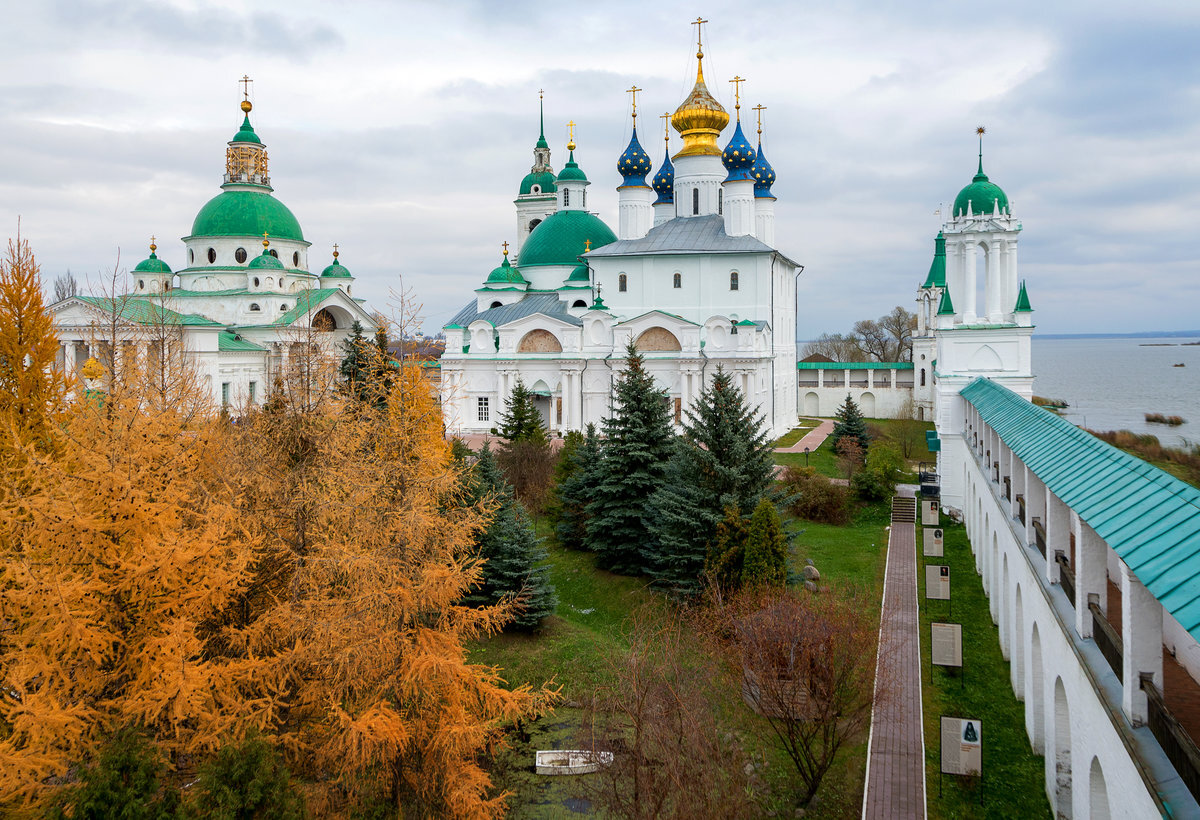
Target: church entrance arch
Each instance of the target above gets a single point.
(541, 400)
(539, 341)
(657, 338)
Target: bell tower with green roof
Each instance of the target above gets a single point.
(538, 195)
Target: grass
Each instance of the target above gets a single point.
(1013, 780)
(796, 433)
(852, 556)
(824, 459)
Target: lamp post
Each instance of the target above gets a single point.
(805, 456)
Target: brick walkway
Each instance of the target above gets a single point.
(812, 439)
(896, 755)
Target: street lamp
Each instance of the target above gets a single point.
(805, 456)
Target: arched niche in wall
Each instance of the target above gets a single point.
(539, 341)
(657, 338)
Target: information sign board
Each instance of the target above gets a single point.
(929, 512)
(946, 644)
(962, 746)
(931, 542)
(937, 582)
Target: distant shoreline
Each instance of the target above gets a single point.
(1154, 334)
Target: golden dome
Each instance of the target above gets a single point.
(699, 118)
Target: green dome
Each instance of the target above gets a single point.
(152, 265)
(544, 179)
(561, 239)
(246, 213)
(336, 270)
(981, 194)
(572, 172)
(265, 260)
(246, 133)
(580, 275)
(505, 274)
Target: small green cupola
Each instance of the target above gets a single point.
(540, 181)
(265, 261)
(152, 264)
(982, 197)
(505, 275)
(1023, 305)
(945, 306)
(937, 270)
(246, 156)
(335, 269)
(152, 275)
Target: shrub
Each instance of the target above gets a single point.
(870, 485)
(246, 780)
(815, 497)
(124, 781)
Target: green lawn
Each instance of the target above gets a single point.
(1013, 781)
(824, 459)
(795, 434)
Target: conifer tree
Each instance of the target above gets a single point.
(565, 466)
(357, 361)
(574, 492)
(637, 446)
(724, 461)
(520, 420)
(765, 561)
(510, 549)
(723, 565)
(850, 424)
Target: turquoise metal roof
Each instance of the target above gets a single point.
(229, 342)
(1150, 518)
(142, 311)
(854, 365)
(306, 300)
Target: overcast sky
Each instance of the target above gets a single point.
(402, 130)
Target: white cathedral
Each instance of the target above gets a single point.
(241, 309)
(691, 277)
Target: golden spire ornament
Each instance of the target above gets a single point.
(699, 119)
(759, 109)
(737, 96)
(666, 118)
(153, 247)
(505, 244)
(634, 92)
(335, 250)
(571, 138)
(266, 241)
(246, 104)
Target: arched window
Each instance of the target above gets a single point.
(566, 197)
(922, 377)
(254, 308)
(495, 305)
(191, 257)
(733, 280)
(240, 255)
(212, 255)
(283, 307)
(622, 283)
(296, 259)
(141, 285)
(166, 286)
(678, 281)
(579, 303)
(274, 253)
(695, 201)
(720, 200)
(585, 197)
(533, 224)
(255, 281)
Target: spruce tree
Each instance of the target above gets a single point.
(724, 461)
(850, 424)
(520, 420)
(576, 489)
(565, 466)
(510, 548)
(765, 560)
(637, 446)
(723, 566)
(356, 364)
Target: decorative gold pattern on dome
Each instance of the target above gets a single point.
(700, 118)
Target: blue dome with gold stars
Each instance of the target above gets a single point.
(764, 175)
(738, 156)
(664, 181)
(634, 164)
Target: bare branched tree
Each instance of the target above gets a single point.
(65, 286)
(886, 339)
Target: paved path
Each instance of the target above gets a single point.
(896, 755)
(812, 439)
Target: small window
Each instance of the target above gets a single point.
(166, 286)
(566, 197)
(283, 307)
(240, 255)
(585, 197)
(224, 394)
(253, 391)
(733, 280)
(495, 305)
(720, 200)
(255, 281)
(678, 281)
(622, 283)
(191, 257)
(534, 224)
(922, 375)
(482, 406)
(141, 284)
(254, 308)
(212, 255)
(558, 410)
(579, 303)
(537, 189)
(274, 253)
(296, 259)
(695, 201)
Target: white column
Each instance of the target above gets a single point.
(995, 282)
(1091, 574)
(970, 283)
(635, 211)
(1141, 632)
(1058, 534)
(1010, 275)
(1035, 507)
(69, 366)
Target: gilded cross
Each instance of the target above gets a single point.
(587, 245)
(335, 250)
(505, 248)
(265, 240)
(759, 109)
(666, 118)
(634, 91)
(737, 96)
(245, 81)
(698, 22)
(153, 247)
(571, 127)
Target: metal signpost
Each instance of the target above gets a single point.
(929, 512)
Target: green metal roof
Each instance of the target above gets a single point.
(306, 300)
(543, 178)
(246, 133)
(561, 239)
(854, 365)
(265, 260)
(152, 264)
(246, 213)
(140, 310)
(1023, 301)
(505, 273)
(571, 172)
(336, 270)
(982, 194)
(945, 306)
(1149, 518)
(230, 342)
(937, 270)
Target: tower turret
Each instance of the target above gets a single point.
(664, 180)
(738, 159)
(699, 119)
(635, 199)
(336, 275)
(764, 200)
(572, 181)
(537, 197)
(152, 275)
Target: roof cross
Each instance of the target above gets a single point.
(571, 138)
(153, 247)
(698, 22)
(505, 243)
(335, 250)
(587, 245)
(737, 97)
(634, 91)
(245, 81)
(666, 118)
(759, 109)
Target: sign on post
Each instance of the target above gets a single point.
(937, 582)
(929, 512)
(962, 746)
(946, 644)
(931, 542)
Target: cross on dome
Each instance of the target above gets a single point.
(759, 109)
(698, 22)
(737, 97)
(505, 244)
(634, 92)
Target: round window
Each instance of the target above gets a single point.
(537, 189)
(141, 285)
(296, 259)
(255, 281)
(283, 307)
(240, 255)
(212, 256)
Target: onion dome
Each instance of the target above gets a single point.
(562, 237)
(265, 259)
(981, 195)
(246, 132)
(571, 172)
(937, 270)
(699, 119)
(505, 274)
(152, 264)
(763, 173)
(336, 269)
(542, 180)
(738, 156)
(664, 181)
(634, 164)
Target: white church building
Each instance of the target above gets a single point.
(242, 306)
(691, 277)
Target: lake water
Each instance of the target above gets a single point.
(1110, 384)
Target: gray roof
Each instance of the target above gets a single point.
(694, 234)
(547, 304)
